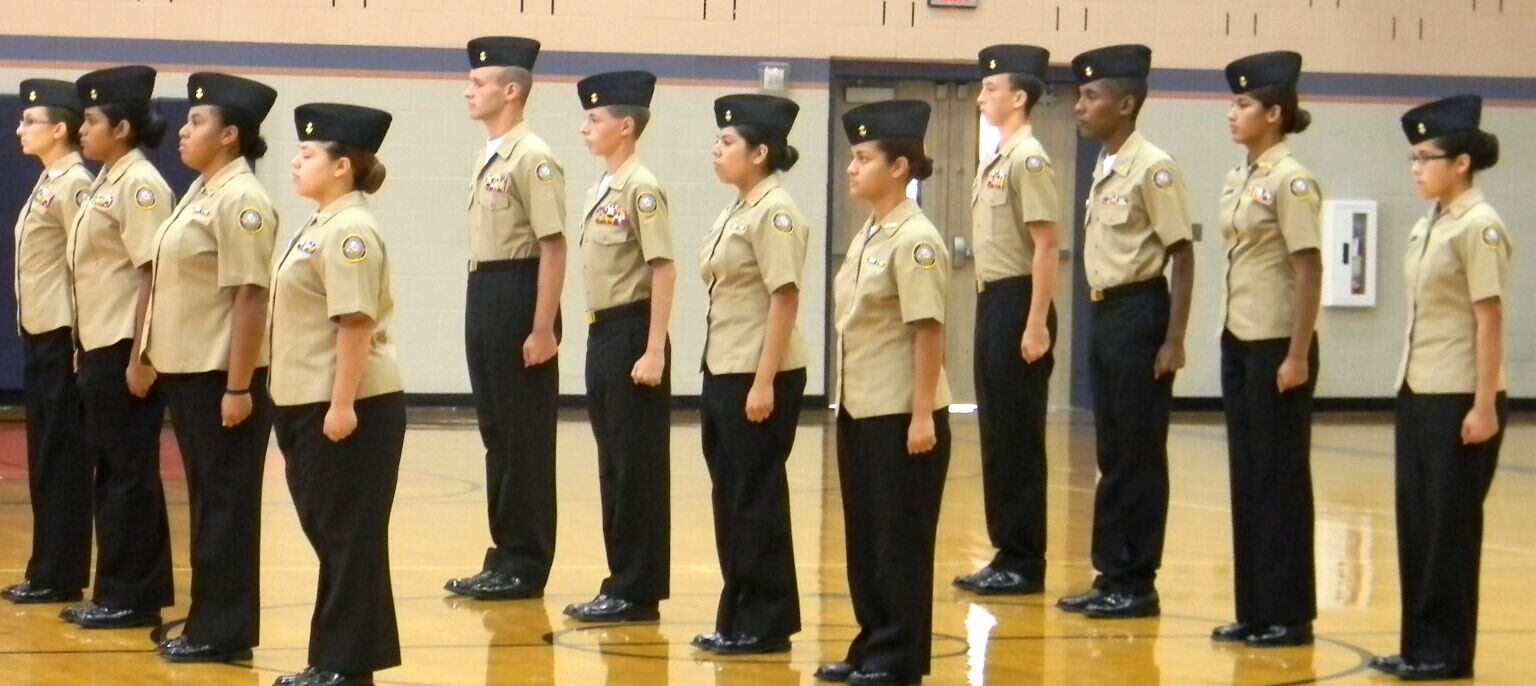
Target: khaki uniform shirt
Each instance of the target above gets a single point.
(336, 265)
(1456, 258)
(1270, 210)
(1134, 214)
(219, 239)
(1013, 189)
(111, 240)
(517, 199)
(623, 229)
(43, 299)
(756, 247)
(894, 276)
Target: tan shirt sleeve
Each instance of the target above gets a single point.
(148, 205)
(545, 180)
(67, 203)
(246, 230)
(653, 223)
(779, 244)
(1299, 210)
(922, 280)
(1034, 184)
(352, 269)
(1167, 203)
(1485, 252)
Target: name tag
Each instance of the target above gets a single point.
(200, 210)
(308, 247)
(738, 228)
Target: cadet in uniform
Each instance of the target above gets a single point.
(58, 468)
(340, 406)
(203, 336)
(111, 245)
(626, 244)
(753, 262)
(512, 320)
(1013, 210)
(1451, 406)
(892, 424)
(1137, 221)
(1271, 211)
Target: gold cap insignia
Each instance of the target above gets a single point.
(1423, 130)
(199, 93)
(32, 96)
(727, 115)
(482, 56)
(863, 131)
(1088, 70)
(992, 64)
(1242, 82)
(592, 98)
(309, 128)
(93, 94)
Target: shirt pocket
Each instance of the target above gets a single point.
(1114, 216)
(996, 197)
(611, 234)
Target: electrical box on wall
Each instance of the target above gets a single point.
(1349, 253)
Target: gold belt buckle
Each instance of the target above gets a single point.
(474, 264)
(591, 317)
(1096, 295)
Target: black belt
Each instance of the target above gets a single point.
(502, 265)
(1125, 290)
(634, 310)
(1012, 283)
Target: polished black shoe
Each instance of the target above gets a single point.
(1432, 671)
(93, 616)
(836, 673)
(864, 678)
(992, 581)
(1235, 633)
(179, 649)
(495, 586)
(1124, 606)
(1080, 602)
(462, 584)
(708, 641)
(1281, 636)
(319, 677)
(1387, 664)
(605, 608)
(28, 593)
(746, 644)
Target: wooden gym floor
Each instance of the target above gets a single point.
(439, 531)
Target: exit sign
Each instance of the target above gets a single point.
(954, 3)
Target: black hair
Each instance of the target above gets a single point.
(146, 126)
(69, 118)
(910, 148)
(1032, 86)
(781, 155)
(252, 146)
(641, 115)
(367, 171)
(1293, 119)
(1481, 146)
(1129, 87)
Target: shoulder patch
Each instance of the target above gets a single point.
(1035, 164)
(545, 171)
(925, 255)
(1163, 178)
(783, 222)
(252, 220)
(354, 248)
(646, 203)
(1301, 187)
(1493, 236)
(145, 198)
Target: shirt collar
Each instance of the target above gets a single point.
(345, 202)
(1125, 157)
(1466, 201)
(235, 168)
(510, 139)
(1024, 133)
(121, 166)
(761, 190)
(1271, 157)
(898, 216)
(62, 164)
(626, 170)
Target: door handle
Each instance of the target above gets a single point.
(961, 254)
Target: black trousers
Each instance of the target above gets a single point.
(1441, 484)
(1130, 507)
(750, 494)
(1012, 400)
(122, 434)
(891, 512)
(1269, 446)
(632, 425)
(516, 406)
(224, 473)
(344, 492)
(58, 465)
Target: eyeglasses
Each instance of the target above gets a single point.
(1420, 160)
(28, 121)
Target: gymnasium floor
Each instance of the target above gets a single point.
(438, 531)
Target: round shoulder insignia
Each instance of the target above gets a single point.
(1301, 187)
(251, 220)
(783, 222)
(354, 248)
(145, 197)
(82, 197)
(646, 203)
(925, 255)
(1035, 164)
(1162, 178)
(545, 171)
(1493, 236)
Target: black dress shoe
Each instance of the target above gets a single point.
(1234, 633)
(1079, 603)
(319, 677)
(1433, 671)
(866, 678)
(1124, 606)
(992, 581)
(496, 586)
(1281, 636)
(462, 584)
(28, 593)
(708, 641)
(93, 616)
(179, 649)
(1387, 664)
(605, 608)
(747, 644)
(836, 673)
